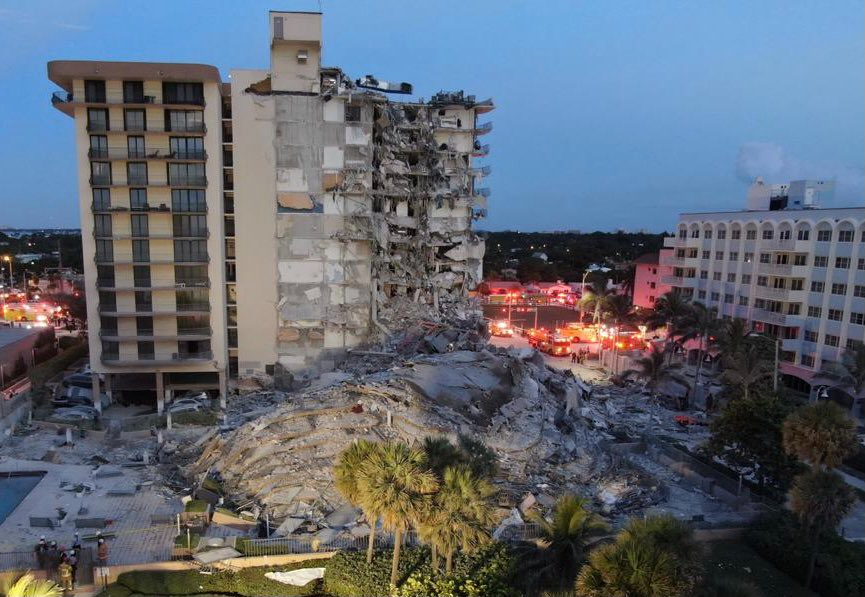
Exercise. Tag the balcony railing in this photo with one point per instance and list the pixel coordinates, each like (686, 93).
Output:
(62, 97)
(188, 181)
(779, 245)
(192, 283)
(483, 129)
(97, 127)
(205, 331)
(187, 356)
(481, 151)
(100, 181)
(194, 306)
(482, 171)
(673, 280)
(482, 191)
(775, 269)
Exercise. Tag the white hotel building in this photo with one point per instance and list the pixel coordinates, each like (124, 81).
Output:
(794, 270)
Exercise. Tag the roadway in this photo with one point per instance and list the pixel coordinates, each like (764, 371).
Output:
(549, 317)
(589, 372)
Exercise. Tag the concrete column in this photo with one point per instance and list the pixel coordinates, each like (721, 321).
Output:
(160, 393)
(223, 391)
(97, 394)
(108, 390)
(169, 395)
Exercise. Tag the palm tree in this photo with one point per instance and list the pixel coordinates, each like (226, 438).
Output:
(28, 585)
(699, 322)
(820, 433)
(651, 557)
(669, 308)
(733, 335)
(820, 499)
(397, 479)
(440, 454)
(653, 370)
(618, 307)
(746, 367)
(564, 539)
(595, 297)
(347, 473)
(850, 372)
(461, 514)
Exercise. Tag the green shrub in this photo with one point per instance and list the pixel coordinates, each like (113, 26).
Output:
(840, 567)
(45, 371)
(486, 573)
(67, 342)
(196, 506)
(246, 582)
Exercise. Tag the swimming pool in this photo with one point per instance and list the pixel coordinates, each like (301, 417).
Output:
(14, 487)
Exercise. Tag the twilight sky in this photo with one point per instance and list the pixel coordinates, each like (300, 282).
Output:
(609, 114)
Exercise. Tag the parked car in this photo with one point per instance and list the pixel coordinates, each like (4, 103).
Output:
(75, 394)
(186, 406)
(78, 380)
(75, 413)
(63, 401)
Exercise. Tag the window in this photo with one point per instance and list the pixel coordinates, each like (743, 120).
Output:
(743, 301)
(815, 311)
(193, 299)
(733, 256)
(134, 120)
(108, 325)
(107, 301)
(782, 259)
(750, 235)
(824, 236)
(810, 336)
(860, 265)
(749, 258)
(759, 303)
(184, 121)
(230, 254)
(188, 200)
(105, 276)
(137, 198)
(100, 173)
(857, 318)
(736, 234)
(765, 257)
(716, 276)
(683, 233)
(701, 294)
(784, 234)
(144, 326)
(852, 344)
(183, 93)
(232, 334)
(104, 251)
(695, 233)
(707, 234)
(707, 254)
(746, 278)
(768, 234)
(716, 296)
(722, 234)
(797, 284)
(98, 147)
(139, 225)
(143, 300)
(186, 174)
(135, 148)
(807, 360)
(839, 289)
(800, 259)
(704, 275)
(191, 276)
(101, 199)
(842, 262)
(140, 250)
(845, 236)
(820, 261)
(794, 309)
(728, 298)
(190, 250)
(803, 234)
(230, 271)
(859, 291)
(190, 226)
(762, 281)
(187, 148)
(146, 352)
(835, 314)
(94, 92)
(719, 255)
(133, 92)
(731, 277)
(102, 225)
(229, 231)
(136, 173)
(830, 340)
(193, 324)
(352, 113)
(141, 276)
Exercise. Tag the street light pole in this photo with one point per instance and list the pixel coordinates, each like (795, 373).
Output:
(8, 260)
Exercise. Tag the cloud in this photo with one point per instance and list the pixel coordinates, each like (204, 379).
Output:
(774, 164)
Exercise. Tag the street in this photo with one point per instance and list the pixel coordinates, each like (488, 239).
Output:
(589, 372)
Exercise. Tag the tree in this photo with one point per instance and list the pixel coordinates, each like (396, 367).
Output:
(821, 434)
(440, 454)
(347, 477)
(700, 323)
(595, 297)
(554, 565)
(480, 458)
(746, 367)
(397, 479)
(732, 336)
(820, 499)
(28, 585)
(747, 436)
(618, 308)
(669, 308)
(653, 370)
(652, 557)
(850, 372)
(461, 513)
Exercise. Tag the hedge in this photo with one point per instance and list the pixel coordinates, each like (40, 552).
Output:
(487, 573)
(246, 582)
(840, 567)
(45, 371)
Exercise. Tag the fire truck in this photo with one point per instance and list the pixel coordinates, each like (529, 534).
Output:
(579, 332)
(555, 345)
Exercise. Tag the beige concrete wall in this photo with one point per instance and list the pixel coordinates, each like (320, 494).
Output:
(254, 222)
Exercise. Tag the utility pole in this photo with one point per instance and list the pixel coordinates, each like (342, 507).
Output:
(775, 376)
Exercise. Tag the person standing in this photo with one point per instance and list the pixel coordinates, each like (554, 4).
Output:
(73, 563)
(41, 551)
(64, 573)
(102, 552)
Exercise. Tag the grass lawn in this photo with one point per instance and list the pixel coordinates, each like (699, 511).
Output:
(731, 558)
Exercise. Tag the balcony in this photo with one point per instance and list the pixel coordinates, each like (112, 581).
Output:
(482, 171)
(186, 332)
(62, 98)
(674, 280)
(188, 181)
(157, 154)
(482, 191)
(775, 269)
(779, 245)
(98, 127)
(778, 294)
(481, 151)
(175, 358)
(791, 344)
(777, 318)
(673, 260)
(202, 306)
(100, 181)
(195, 129)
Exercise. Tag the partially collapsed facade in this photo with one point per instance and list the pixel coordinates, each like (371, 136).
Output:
(321, 205)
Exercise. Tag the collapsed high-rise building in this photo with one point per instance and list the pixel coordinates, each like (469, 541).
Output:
(266, 224)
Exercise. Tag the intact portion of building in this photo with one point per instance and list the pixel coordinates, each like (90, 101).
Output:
(795, 273)
(649, 271)
(266, 225)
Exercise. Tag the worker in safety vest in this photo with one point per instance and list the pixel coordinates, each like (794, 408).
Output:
(64, 572)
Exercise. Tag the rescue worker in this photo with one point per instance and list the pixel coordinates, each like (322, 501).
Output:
(102, 552)
(574, 358)
(72, 559)
(52, 556)
(41, 551)
(64, 573)
(76, 542)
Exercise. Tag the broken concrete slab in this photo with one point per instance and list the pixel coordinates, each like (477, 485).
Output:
(288, 526)
(106, 470)
(342, 516)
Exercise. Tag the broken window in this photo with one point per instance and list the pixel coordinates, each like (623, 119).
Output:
(352, 113)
